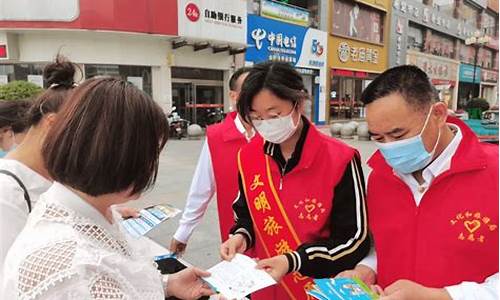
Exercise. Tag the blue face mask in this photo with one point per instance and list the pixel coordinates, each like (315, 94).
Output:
(408, 155)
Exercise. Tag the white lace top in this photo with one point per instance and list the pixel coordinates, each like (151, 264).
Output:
(68, 250)
(13, 207)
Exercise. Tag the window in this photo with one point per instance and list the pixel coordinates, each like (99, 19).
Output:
(140, 76)
(466, 53)
(485, 58)
(22, 71)
(440, 45)
(470, 15)
(445, 6)
(415, 37)
(345, 97)
(358, 21)
(490, 25)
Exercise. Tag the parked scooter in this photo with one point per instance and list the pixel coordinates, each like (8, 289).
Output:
(177, 125)
(214, 116)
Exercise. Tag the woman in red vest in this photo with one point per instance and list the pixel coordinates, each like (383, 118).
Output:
(301, 204)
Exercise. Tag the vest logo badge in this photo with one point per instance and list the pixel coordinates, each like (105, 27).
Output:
(473, 226)
(309, 209)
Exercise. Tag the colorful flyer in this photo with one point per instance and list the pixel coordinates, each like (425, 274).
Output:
(150, 218)
(341, 289)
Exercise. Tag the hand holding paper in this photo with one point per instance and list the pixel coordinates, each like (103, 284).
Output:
(238, 278)
(276, 266)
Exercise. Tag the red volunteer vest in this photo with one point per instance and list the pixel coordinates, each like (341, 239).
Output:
(452, 236)
(224, 142)
(297, 213)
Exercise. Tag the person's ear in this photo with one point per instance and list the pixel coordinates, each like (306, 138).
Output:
(440, 113)
(48, 120)
(234, 96)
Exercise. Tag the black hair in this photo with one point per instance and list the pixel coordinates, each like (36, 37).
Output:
(59, 77)
(278, 77)
(408, 80)
(236, 75)
(13, 114)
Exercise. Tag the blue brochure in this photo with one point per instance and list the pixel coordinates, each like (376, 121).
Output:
(341, 289)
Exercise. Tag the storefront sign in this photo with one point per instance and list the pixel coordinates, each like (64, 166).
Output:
(356, 55)
(467, 74)
(437, 68)
(223, 21)
(277, 41)
(348, 52)
(489, 76)
(284, 12)
(347, 73)
(432, 17)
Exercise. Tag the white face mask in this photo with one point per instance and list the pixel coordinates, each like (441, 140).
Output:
(276, 130)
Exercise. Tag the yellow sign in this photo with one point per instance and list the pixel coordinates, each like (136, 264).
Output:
(356, 55)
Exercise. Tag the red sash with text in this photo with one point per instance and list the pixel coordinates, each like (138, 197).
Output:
(273, 229)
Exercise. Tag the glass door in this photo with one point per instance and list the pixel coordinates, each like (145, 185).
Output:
(209, 104)
(181, 99)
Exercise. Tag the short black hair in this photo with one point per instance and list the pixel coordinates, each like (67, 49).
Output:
(408, 80)
(236, 75)
(106, 138)
(278, 77)
(14, 114)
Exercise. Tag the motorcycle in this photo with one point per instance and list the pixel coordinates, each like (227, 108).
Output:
(177, 125)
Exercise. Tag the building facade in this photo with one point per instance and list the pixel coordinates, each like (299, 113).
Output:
(287, 32)
(304, 47)
(433, 34)
(357, 45)
(180, 52)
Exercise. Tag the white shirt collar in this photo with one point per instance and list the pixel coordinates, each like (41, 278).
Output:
(441, 164)
(241, 128)
(62, 195)
(31, 179)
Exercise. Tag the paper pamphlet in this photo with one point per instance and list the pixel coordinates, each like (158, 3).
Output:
(150, 218)
(341, 289)
(238, 278)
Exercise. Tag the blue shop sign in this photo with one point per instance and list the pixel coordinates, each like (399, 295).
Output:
(269, 39)
(467, 73)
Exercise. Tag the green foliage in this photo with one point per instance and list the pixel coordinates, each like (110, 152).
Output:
(480, 103)
(16, 90)
(476, 106)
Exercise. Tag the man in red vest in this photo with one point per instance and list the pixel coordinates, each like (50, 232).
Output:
(216, 171)
(432, 196)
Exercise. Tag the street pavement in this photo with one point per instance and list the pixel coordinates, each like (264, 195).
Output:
(177, 165)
